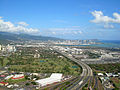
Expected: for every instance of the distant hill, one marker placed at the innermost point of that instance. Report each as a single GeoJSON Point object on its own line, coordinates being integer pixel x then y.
{"type": "Point", "coordinates": [5, 36]}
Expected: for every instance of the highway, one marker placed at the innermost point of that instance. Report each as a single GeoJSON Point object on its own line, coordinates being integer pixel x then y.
{"type": "Point", "coordinates": [96, 83]}
{"type": "Point", "coordinates": [84, 77]}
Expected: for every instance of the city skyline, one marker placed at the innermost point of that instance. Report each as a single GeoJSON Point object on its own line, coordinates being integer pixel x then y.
{"type": "Point", "coordinates": [68, 19]}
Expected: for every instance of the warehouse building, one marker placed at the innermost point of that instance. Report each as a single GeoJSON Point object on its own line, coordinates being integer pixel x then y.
{"type": "Point", "coordinates": [55, 77]}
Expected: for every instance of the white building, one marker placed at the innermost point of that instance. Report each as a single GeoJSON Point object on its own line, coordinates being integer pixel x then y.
{"type": "Point", "coordinates": [4, 48]}
{"type": "Point", "coordinates": [18, 76]}
{"type": "Point", "coordinates": [0, 47]}
{"type": "Point", "coordinates": [10, 48]}
{"type": "Point", "coordinates": [8, 77]}
{"type": "Point", "coordinates": [109, 74]}
{"type": "Point", "coordinates": [55, 77]}
{"type": "Point", "coordinates": [36, 55]}
{"type": "Point", "coordinates": [10, 86]}
{"type": "Point", "coordinates": [100, 74]}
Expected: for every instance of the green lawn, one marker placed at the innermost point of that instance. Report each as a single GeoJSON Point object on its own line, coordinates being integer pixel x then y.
{"type": "Point", "coordinates": [48, 62]}
{"type": "Point", "coordinates": [15, 81]}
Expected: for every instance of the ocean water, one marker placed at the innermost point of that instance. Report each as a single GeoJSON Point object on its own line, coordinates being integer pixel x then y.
{"type": "Point", "coordinates": [109, 43]}
{"type": "Point", "coordinates": [104, 43]}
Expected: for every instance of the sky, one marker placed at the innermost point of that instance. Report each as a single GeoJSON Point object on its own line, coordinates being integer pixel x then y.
{"type": "Point", "coordinates": [67, 19]}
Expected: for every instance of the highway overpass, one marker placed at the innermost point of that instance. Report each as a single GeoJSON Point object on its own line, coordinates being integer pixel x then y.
{"type": "Point", "coordinates": [85, 76]}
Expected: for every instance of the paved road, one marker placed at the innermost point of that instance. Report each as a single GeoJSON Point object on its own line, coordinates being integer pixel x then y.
{"type": "Point", "coordinates": [84, 77]}
{"type": "Point", "coordinates": [96, 83]}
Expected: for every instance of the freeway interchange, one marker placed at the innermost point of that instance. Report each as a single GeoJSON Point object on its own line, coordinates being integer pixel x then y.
{"type": "Point", "coordinates": [84, 78]}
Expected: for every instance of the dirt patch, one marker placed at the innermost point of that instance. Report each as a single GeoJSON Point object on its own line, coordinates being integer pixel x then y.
{"type": "Point", "coordinates": [116, 80]}
{"type": "Point", "coordinates": [100, 87]}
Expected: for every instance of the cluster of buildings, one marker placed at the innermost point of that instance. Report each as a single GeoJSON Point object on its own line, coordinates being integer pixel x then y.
{"type": "Point", "coordinates": [7, 85]}
{"type": "Point", "coordinates": [105, 79]}
{"type": "Point", "coordinates": [102, 55]}
{"type": "Point", "coordinates": [72, 51]}
{"type": "Point", "coordinates": [15, 77]}
{"type": "Point", "coordinates": [75, 42]}
{"type": "Point", "coordinates": [103, 59]}
{"type": "Point", "coordinates": [8, 48]}
{"type": "Point", "coordinates": [7, 77]}
{"type": "Point", "coordinates": [4, 77]}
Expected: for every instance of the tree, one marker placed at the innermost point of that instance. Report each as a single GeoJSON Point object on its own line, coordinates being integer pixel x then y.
{"type": "Point", "coordinates": [66, 68]}
{"type": "Point", "coordinates": [5, 61]}
{"type": "Point", "coordinates": [27, 84]}
{"type": "Point", "coordinates": [34, 83]}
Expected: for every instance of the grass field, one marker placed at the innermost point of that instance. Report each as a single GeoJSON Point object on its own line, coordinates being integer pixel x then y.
{"type": "Point", "coordinates": [16, 81]}
{"type": "Point", "coordinates": [48, 62]}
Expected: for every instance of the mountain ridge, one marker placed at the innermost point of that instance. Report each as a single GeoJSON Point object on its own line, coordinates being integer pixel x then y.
{"type": "Point", "coordinates": [24, 37]}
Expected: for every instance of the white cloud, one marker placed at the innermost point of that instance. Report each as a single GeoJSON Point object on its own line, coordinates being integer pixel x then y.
{"type": "Point", "coordinates": [23, 23]}
{"type": "Point", "coordinates": [100, 18]}
{"type": "Point", "coordinates": [21, 27]}
{"type": "Point", "coordinates": [74, 32]}
{"type": "Point", "coordinates": [117, 17]}
{"type": "Point", "coordinates": [108, 26]}
{"type": "Point", "coordinates": [1, 17]}
{"type": "Point", "coordinates": [54, 33]}
{"type": "Point", "coordinates": [64, 31]}
{"type": "Point", "coordinates": [77, 32]}
{"type": "Point", "coordinates": [10, 27]}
